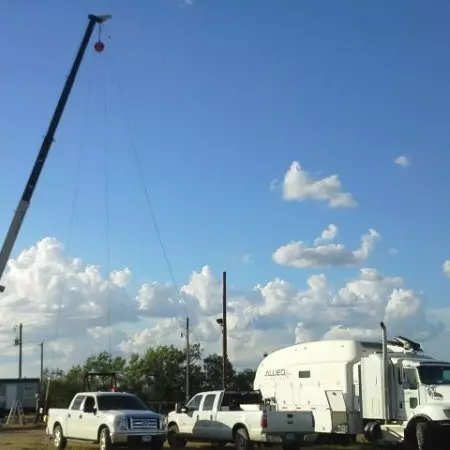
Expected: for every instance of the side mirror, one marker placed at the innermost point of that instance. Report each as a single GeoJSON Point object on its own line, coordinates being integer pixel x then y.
{"type": "Point", "coordinates": [177, 408]}
{"type": "Point", "coordinates": [184, 409]}
{"type": "Point", "coordinates": [94, 410]}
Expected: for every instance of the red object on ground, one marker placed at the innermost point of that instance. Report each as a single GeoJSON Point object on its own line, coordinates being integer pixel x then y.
{"type": "Point", "coordinates": [99, 46]}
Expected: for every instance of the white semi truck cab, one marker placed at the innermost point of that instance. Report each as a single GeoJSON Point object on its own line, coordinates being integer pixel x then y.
{"type": "Point", "coordinates": [405, 395]}
{"type": "Point", "coordinates": [388, 390]}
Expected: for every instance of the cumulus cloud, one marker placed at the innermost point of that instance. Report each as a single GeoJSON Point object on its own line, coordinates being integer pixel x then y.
{"type": "Point", "coordinates": [446, 268]}
{"type": "Point", "coordinates": [325, 253]}
{"type": "Point", "coordinates": [299, 185]}
{"type": "Point", "coordinates": [402, 161]}
{"type": "Point", "coordinates": [271, 315]}
{"type": "Point", "coordinates": [327, 235]}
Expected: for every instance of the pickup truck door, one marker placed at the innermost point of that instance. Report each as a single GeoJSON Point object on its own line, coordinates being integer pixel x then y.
{"type": "Point", "coordinates": [207, 417]}
{"type": "Point", "coordinates": [71, 426]}
{"type": "Point", "coordinates": [88, 421]}
{"type": "Point", "coordinates": [188, 421]}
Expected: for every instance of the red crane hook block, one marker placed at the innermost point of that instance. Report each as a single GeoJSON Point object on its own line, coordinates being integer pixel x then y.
{"type": "Point", "coordinates": [99, 46]}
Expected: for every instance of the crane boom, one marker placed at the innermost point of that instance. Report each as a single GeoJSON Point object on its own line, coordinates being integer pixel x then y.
{"type": "Point", "coordinates": [24, 202]}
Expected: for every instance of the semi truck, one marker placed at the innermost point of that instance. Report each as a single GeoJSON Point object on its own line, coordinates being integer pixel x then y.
{"type": "Point", "coordinates": [389, 391]}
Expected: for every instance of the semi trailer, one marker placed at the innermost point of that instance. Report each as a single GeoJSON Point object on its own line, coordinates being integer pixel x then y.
{"type": "Point", "coordinates": [389, 390]}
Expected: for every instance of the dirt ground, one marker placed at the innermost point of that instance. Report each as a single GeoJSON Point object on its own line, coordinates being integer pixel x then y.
{"type": "Point", "coordinates": [32, 437]}
{"type": "Point", "coordinates": [29, 438]}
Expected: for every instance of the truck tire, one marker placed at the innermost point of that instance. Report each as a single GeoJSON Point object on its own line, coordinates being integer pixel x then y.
{"type": "Point", "coordinates": [241, 439]}
{"type": "Point", "coordinates": [424, 436]}
{"type": "Point", "coordinates": [105, 439]}
{"type": "Point", "coordinates": [173, 437]}
{"type": "Point", "coordinates": [59, 441]}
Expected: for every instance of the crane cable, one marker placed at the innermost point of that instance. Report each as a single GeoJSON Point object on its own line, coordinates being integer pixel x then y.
{"type": "Point", "coordinates": [73, 206]}
{"type": "Point", "coordinates": [149, 203]}
{"type": "Point", "coordinates": [147, 195]}
{"type": "Point", "coordinates": [107, 212]}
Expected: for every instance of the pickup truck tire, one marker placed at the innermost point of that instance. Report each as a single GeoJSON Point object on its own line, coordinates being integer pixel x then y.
{"type": "Point", "coordinates": [173, 437]}
{"type": "Point", "coordinates": [105, 439]}
{"type": "Point", "coordinates": [59, 441]}
{"type": "Point", "coordinates": [241, 439]}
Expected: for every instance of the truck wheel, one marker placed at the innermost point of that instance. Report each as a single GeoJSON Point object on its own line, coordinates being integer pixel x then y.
{"type": "Point", "coordinates": [241, 440]}
{"type": "Point", "coordinates": [59, 441]}
{"type": "Point", "coordinates": [105, 439]}
{"type": "Point", "coordinates": [424, 436]}
{"type": "Point", "coordinates": [174, 439]}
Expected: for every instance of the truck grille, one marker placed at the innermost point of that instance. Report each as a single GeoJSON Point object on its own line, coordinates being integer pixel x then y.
{"type": "Point", "coordinates": [144, 423]}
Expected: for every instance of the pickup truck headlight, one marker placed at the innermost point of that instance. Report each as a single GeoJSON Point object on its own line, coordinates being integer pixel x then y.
{"type": "Point", "coordinates": [122, 425]}
{"type": "Point", "coordinates": [162, 423]}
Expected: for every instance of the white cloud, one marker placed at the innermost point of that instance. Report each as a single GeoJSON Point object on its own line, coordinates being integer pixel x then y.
{"type": "Point", "coordinates": [299, 185]}
{"type": "Point", "coordinates": [446, 268]}
{"type": "Point", "coordinates": [271, 315]}
{"type": "Point", "coordinates": [327, 235]}
{"type": "Point", "coordinates": [393, 251]}
{"type": "Point", "coordinates": [297, 254]}
{"type": "Point", "coordinates": [402, 161]}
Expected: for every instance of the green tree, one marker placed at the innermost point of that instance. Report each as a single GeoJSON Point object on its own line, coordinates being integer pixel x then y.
{"type": "Point", "coordinates": [212, 367]}
{"type": "Point", "coordinates": [158, 375]}
{"type": "Point", "coordinates": [243, 380]}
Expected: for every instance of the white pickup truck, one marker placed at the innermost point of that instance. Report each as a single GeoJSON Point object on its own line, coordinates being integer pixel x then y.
{"type": "Point", "coordinates": [110, 419]}
{"type": "Point", "coordinates": [239, 417]}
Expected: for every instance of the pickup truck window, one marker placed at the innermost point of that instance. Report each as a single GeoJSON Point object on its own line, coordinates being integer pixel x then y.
{"type": "Point", "coordinates": [78, 400]}
{"type": "Point", "coordinates": [209, 402]}
{"type": "Point", "coordinates": [119, 402]}
{"type": "Point", "coordinates": [89, 404]}
{"type": "Point", "coordinates": [194, 403]}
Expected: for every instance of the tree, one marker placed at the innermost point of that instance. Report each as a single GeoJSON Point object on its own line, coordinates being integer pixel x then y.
{"type": "Point", "coordinates": [157, 376]}
{"type": "Point", "coordinates": [213, 369]}
{"type": "Point", "coordinates": [243, 380]}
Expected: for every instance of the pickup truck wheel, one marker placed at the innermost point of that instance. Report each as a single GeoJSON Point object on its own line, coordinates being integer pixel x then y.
{"type": "Point", "coordinates": [59, 441]}
{"type": "Point", "coordinates": [174, 439]}
{"type": "Point", "coordinates": [105, 439]}
{"type": "Point", "coordinates": [241, 440]}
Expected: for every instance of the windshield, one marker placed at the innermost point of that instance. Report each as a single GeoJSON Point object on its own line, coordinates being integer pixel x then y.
{"type": "Point", "coordinates": [119, 402]}
{"type": "Point", "coordinates": [434, 374]}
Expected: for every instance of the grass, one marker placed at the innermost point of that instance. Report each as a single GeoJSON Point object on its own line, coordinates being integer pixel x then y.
{"type": "Point", "coordinates": [33, 437]}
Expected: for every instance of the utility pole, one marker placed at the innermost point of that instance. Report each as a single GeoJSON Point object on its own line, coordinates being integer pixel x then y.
{"type": "Point", "coordinates": [188, 357]}
{"type": "Point", "coordinates": [224, 331]}
{"type": "Point", "coordinates": [18, 343]}
{"type": "Point", "coordinates": [42, 361]}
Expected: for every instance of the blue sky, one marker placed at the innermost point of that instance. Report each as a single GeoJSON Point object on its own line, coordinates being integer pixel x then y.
{"type": "Point", "coordinates": [222, 96]}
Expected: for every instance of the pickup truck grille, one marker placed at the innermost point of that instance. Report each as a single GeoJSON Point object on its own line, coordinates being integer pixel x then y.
{"type": "Point", "coordinates": [144, 423]}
